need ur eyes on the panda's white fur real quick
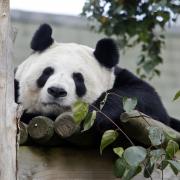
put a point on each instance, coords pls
(65, 58)
(58, 74)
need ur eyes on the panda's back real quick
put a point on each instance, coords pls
(128, 85)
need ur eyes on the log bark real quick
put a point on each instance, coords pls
(8, 126)
(23, 133)
(136, 124)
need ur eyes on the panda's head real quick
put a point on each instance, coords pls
(58, 74)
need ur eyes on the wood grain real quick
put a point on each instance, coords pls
(7, 106)
(37, 163)
(62, 163)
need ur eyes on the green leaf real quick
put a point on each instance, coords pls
(131, 172)
(149, 167)
(177, 95)
(124, 117)
(108, 137)
(163, 165)
(172, 148)
(119, 151)
(89, 120)
(141, 60)
(157, 154)
(119, 167)
(156, 136)
(134, 155)
(158, 73)
(80, 110)
(150, 65)
(129, 104)
(138, 70)
(175, 165)
(170, 135)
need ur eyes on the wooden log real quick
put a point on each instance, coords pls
(65, 126)
(8, 126)
(23, 133)
(136, 124)
(67, 129)
(41, 129)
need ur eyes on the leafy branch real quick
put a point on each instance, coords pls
(134, 159)
(135, 22)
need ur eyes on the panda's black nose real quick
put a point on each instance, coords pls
(57, 92)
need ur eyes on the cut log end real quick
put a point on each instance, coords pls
(41, 129)
(65, 126)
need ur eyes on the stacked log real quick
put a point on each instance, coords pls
(42, 130)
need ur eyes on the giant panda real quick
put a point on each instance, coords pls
(56, 75)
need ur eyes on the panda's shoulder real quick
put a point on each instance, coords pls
(125, 78)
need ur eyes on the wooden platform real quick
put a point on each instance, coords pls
(57, 163)
(63, 163)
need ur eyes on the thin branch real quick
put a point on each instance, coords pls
(141, 115)
(114, 124)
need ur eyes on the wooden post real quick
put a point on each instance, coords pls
(8, 168)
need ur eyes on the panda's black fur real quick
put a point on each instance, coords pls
(42, 38)
(126, 84)
(106, 53)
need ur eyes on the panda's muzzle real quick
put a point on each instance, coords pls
(57, 92)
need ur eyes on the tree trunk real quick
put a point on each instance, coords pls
(8, 168)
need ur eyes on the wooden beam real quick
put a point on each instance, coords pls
(72, 163)
(64, 163)
(8, 168)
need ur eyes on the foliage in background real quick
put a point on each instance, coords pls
(177, 96)
(134, 159)
(135, 22)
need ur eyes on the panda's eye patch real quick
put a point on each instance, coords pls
(79, 83)
(47, 72)
(78, 77)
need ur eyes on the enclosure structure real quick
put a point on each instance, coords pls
(8, 148)
(34, 162)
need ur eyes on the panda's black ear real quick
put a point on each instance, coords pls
(106, 52)
(42, 38)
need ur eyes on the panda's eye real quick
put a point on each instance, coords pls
(48, 71)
